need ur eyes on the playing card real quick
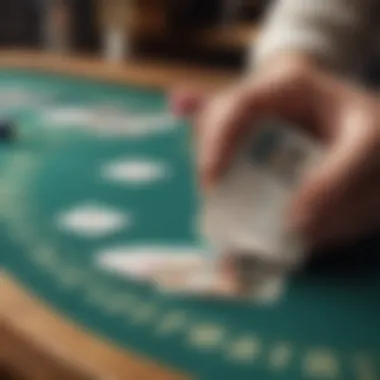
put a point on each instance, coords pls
(245, 213)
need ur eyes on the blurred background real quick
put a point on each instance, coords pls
(212, 32)
(201, 34)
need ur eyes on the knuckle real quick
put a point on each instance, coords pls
(297, 76)
(295, 73)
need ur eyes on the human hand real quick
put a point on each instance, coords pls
(340, 199)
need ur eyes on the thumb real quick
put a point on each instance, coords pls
(344, 164)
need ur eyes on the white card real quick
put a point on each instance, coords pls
(246, 212)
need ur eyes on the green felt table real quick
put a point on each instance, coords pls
(66, 212)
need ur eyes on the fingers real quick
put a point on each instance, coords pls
(218, 122)
(218, 127)
(223, 124)
(355, 216)
(226, 119)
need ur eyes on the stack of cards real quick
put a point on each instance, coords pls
(244, 221)
(245, 215)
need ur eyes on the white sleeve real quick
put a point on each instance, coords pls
(337, 33)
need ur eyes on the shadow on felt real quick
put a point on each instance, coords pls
(359, 260)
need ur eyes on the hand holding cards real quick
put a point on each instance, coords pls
(243, 220)
(245, 215)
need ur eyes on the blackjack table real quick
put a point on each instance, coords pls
(94, 168)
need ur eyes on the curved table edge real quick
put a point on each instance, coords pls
(145, 73)
(26, 320)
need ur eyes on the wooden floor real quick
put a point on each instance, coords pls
(34, 340)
